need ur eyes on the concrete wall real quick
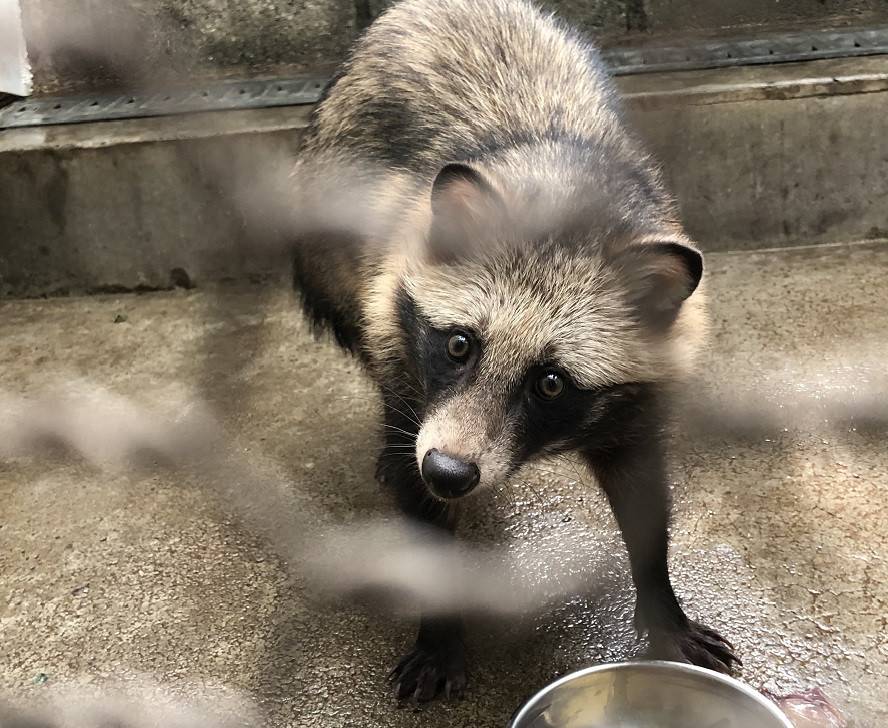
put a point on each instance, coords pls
(614, 18)
(185, 38)
(772, 173)
(213, 38)
(683, 15)
(96, 219)
(119, 205)
(757, 157)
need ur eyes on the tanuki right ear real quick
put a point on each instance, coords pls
(464, 206)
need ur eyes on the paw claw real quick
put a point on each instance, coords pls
(423, 674)
(697, 645)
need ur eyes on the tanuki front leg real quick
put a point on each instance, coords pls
(634, 478)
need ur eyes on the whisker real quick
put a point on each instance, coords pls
(536, 493)
(413, 419)
(509, 495)
(573, 466)
(416, 390)
(533, 490)
(412, 389)
(551, 471)
(541, 467)
(400, 396)
(404, 455)
(404, 415)
(411, 435)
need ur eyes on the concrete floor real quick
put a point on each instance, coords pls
(781, 542)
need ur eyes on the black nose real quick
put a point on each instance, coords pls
(447, 476)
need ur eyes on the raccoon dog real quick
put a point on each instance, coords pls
(531, 292)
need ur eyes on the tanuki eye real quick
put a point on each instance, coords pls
(458, 347)
(549, 386)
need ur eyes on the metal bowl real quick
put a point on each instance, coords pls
(648, 695)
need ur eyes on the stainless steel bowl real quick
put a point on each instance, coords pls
(648, 695)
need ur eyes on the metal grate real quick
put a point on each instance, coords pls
(783, 48)
(264, 93)
(216, 96)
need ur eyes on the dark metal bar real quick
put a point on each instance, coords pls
(265, 93)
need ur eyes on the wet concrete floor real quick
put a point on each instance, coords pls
(780, 542)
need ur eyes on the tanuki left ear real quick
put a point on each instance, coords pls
(659, 277)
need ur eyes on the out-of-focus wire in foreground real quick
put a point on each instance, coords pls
(394, 562)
